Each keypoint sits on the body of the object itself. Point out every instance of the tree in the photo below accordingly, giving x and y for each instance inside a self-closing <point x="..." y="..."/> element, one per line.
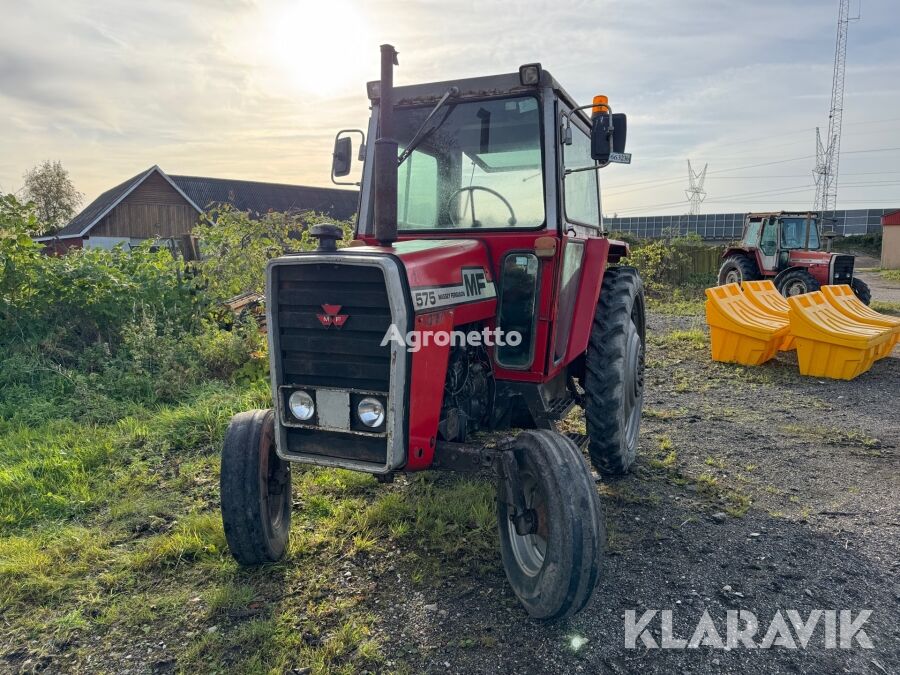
<point x="53" y="193"/>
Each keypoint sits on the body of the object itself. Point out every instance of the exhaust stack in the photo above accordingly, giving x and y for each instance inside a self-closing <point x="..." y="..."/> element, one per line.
<point x="386" y="154"/>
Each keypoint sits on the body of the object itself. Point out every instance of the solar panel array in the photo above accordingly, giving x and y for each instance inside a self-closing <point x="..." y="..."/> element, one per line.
<point x="727" y="226"/>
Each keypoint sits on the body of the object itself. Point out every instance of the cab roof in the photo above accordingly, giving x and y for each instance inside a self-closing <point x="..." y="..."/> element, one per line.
<point x="507" y="84"/>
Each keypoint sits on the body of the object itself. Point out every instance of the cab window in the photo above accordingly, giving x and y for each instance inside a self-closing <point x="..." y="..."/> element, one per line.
<point x="752" y="236"/>
<point x="768" y="242"/>
<point x="582" y="193"/>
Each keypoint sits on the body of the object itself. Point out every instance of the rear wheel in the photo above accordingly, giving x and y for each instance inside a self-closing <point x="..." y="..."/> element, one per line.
<point x="614" y="372"/>
<point x="861" y="289"/>
<point x="737" y="269"/>
<point x="255" y="490"/>
<point x="553" y="568"/>
<point x="797" y="282"/>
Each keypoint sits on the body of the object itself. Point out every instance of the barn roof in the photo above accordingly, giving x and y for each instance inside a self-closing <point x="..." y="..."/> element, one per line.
<point x="259" y="198"/>
<point x="106" y="202"/>
<point x="245" y="195"/>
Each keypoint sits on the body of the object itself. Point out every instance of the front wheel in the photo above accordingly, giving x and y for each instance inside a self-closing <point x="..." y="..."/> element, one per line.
<point x="797" y="282"/>
<point x="861" y="289"/>
<point x="553" y="568"/>
<point x="255" y="489"/>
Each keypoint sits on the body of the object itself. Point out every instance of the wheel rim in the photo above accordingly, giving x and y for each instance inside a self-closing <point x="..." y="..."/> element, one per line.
<point x="634" y="383"/>
<point x="795" y="288"/>
<point x="276" y="475"/>
<point x="529" y="549"/>
<point x="733" y="276"/>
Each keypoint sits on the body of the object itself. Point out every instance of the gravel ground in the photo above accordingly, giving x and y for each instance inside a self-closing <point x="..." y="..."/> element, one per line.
<point x="756" y="489"/>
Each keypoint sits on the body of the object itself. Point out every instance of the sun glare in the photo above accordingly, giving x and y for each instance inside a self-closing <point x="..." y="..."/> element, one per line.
<point x="321" y="48"/>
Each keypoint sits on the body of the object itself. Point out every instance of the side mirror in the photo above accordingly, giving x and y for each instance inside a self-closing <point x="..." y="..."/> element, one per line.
<point x="620" y="127"/>
<point x="342" y="156"/>
<point x="608" y="135"/>
<point x="601" y="137"/>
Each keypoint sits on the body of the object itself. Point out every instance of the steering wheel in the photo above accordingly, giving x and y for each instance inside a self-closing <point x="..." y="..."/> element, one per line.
<point x="472" y="188"/>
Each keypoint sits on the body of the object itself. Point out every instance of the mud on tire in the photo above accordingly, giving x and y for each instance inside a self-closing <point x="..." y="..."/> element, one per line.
<point x="614" y="372"/>
<point x="554" y="571"/>
<point x="255" y="489"/>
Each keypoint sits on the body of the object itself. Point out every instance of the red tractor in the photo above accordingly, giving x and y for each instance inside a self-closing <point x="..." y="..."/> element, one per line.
<point x="786" y="247"/>
<point x="442" y="319"/>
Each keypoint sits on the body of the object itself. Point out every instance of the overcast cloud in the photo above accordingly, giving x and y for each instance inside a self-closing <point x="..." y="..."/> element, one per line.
<point x="256" y="90"/>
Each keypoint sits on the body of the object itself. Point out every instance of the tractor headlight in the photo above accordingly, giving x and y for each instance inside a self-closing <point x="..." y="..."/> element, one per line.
<point x="301" y="405"/>
<point x="370" y="412"/>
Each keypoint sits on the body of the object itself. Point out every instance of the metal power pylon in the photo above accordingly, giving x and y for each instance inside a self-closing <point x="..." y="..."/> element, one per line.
<point x="828" y="151"/>
<point x="695" y="192"/>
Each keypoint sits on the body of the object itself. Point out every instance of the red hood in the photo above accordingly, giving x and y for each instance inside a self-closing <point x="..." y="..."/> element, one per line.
<point x="810" y="257"/>
<point x="443" y="272"/>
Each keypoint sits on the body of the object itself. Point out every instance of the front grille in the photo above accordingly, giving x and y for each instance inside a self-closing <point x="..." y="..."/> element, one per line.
<point x="842" y="269"/>
<point x="348" y="357"/>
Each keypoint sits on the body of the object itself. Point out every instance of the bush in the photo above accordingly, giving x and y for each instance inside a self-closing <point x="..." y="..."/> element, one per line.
<point x="236" y="247"/>
<point x="94" y="335"/>
<point x="658" y="263"/>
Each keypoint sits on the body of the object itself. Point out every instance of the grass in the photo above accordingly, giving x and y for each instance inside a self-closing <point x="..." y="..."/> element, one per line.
<point x="890" y="275"/>
<point x="112" y="532"/>
<point x="886" y="307"/>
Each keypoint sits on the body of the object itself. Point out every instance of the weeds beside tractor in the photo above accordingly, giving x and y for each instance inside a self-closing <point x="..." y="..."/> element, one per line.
<point x="532" y="259"/>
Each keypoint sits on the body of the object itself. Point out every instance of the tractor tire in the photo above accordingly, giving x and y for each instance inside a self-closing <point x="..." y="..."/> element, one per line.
<point x="736" y="269"/>
<point x="797" y="282"/>
<point x="614" y="372"/>
<point x="861" y="289"/>
<point x="555" y="570"/>
<point x="255" y="487"/>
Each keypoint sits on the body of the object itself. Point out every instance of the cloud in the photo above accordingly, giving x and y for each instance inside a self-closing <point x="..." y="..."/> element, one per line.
<point x="225" y="87"/>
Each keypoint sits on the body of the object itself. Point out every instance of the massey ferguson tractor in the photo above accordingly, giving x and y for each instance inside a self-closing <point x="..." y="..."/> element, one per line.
<point x="479" y="217"/>
<point x="786" y="247"/>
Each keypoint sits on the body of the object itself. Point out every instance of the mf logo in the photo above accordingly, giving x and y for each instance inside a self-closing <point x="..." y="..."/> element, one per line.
<point x="331" y="317"/>
<point x="474" y="281"/>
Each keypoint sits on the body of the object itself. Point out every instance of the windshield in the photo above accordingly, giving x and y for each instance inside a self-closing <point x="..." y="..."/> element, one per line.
<point x="793" y="233"/>
<point x="478" y="165"/>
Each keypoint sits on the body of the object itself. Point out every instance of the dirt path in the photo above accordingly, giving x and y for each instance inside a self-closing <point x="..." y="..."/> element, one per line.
<point x="809" y="471"/>
<point x="883" y="289"/>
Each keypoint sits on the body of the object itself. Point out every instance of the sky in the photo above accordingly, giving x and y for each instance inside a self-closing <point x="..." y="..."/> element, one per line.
<point x="257" y="89"/>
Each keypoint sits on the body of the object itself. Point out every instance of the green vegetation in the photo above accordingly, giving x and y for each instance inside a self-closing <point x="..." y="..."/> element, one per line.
<point x="886" y="307"/>
<point x="890" y="275"/>
<point x="120" y="372"/>
<point x="868" y="244"/>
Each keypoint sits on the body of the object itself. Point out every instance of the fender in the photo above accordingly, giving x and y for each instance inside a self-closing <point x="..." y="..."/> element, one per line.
<point x="597" y="253"/>
<point x="753" y="255"/>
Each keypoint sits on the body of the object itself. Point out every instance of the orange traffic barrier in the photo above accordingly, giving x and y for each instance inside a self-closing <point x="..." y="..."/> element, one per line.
<point x="830" y="344"/>
<point x="844" y="300"/>
<point x="739" y="331"/>
<point x="766" y="297"/>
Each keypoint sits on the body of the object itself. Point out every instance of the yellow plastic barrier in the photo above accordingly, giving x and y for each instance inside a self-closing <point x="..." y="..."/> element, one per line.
<point x="830" y="344"/>
<point x="766" y="297"/>
<point x="739" y="332"/>
<point x="844" y="300"/>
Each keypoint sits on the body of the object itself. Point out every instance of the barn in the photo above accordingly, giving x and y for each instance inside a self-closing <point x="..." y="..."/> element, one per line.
<point x="158" y="206"/>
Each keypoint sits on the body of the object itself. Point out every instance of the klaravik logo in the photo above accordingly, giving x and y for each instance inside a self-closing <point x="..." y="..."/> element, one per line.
<point x="331" y="317"/>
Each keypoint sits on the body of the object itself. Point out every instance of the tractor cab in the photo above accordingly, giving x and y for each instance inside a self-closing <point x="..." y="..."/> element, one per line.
<point x="789" y="248"/>
<point x="480" y="293"/>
